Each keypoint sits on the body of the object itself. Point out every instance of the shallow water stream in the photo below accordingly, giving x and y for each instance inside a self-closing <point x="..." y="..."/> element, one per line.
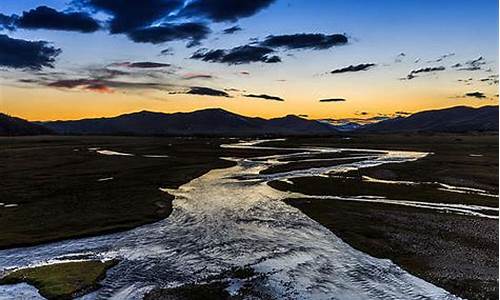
<point x="231" y="217"/>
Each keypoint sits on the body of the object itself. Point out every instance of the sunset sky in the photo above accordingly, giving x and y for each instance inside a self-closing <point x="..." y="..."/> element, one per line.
<point x="94" y="58"/>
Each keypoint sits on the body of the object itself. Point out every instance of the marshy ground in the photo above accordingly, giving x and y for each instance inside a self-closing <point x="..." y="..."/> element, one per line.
<point x="459" y="253"/>
<point x="63" y="187"/>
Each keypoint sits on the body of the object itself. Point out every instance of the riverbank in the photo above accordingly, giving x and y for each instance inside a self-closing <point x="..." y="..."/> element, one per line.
<point x="61" y="187"/>
<point x="62" y="281"/>
<point x="226" y="216"/>
<point x="456" y="252"/>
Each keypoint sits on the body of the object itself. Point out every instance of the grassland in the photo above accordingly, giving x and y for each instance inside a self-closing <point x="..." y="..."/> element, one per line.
<point x="60" y="189"/>
<point x="64" y="190"/>
<point x="456" y="252"/>
<point x="450" y="162"/>
<point x="62" y="280"/>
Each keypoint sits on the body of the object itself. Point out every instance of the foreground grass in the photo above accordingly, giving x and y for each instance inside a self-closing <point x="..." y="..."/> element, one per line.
<point x="62" y="280"/>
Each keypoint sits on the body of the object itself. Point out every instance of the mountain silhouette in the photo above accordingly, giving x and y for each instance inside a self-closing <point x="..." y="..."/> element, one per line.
<point x="454" y="119"/>
<point x="12" y="126"/>
<point x="216" y="122"/>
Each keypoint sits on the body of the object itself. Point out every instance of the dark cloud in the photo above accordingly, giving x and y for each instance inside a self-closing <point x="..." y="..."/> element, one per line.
<point x="403" y="113"/>
<point x="168" y="32"/>
<point x="412" y="73"/>
<point x="22" y="54"/>
<point x="106" y="73"/>
<point x="71" y="83"/>
<point x="477" y="61"/>
<point x="353" y="68"/>
<point x="467" y="81"/>
<point x="190" y="76"/>
<point x="491" y="80"/>
<point x="304" y="41"/>
<point x="427" y="70"/>
<point x="224" y="10"/>
<point x="232" y="29"/>
<point x="273" y="59"/>
<point x="479" y="95"/>
<point x="471" y="65"/>
<point x="130" y="15"/>
<point x="238" y="55"/>
<point x="86" y="84"/>
<point x="408" y="77"/>
<point x="445" y="56"/>
<point x="204" y="91"/>
<point x="361" y="113"/>
<point x="147" y="65"/>
<point x="103" y="85"/>
<point x="167" y="51"/>
<point x="8" y="22"/>
<point x="44" y="17"/>
<point x="28" y="80"/>
<point x="193" y="43"/>
<point x="264" y="96"/>
<point x="399" y="57"/>
<point x="332" y="100"/>
<point x="442" y="57"/>
<point x="232" y="90"/>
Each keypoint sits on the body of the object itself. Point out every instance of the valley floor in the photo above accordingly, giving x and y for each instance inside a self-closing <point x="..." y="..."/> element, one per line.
<point x="458" y="253"/>
<point x="57" y="188"/>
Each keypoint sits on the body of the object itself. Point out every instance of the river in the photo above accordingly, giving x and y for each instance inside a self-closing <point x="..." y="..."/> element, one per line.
<point x="229" y="218"/>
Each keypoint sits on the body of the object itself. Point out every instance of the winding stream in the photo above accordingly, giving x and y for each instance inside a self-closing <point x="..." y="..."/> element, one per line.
<point x="231" y="217"/>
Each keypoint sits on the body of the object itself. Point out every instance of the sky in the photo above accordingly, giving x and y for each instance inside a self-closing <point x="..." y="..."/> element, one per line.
<point x="321" y="59"/>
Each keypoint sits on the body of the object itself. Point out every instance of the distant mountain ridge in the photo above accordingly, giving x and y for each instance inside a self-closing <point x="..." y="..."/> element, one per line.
<point x="454" y="119"/>
<point x="12" y="126"/>
<point x="219" y="122"/>
<point x="216" y="122"/>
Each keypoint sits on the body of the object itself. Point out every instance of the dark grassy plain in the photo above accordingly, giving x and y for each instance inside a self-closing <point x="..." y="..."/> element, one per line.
<point x="54" y="180"/>
<point x="456" y="252"/>
<point x="450" y="162"/>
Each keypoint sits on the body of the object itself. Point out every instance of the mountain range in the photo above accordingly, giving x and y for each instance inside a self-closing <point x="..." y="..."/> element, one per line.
<point x="12" y="126"/>
<point x="219" y="122"/>
<point x="455" y="119"/>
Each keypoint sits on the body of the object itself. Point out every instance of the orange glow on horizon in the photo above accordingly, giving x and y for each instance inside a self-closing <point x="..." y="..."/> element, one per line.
<point x="44" y="104"/>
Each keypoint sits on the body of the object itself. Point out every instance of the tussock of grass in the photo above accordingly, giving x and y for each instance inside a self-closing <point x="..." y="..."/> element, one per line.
<point x="62" y="280"/>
